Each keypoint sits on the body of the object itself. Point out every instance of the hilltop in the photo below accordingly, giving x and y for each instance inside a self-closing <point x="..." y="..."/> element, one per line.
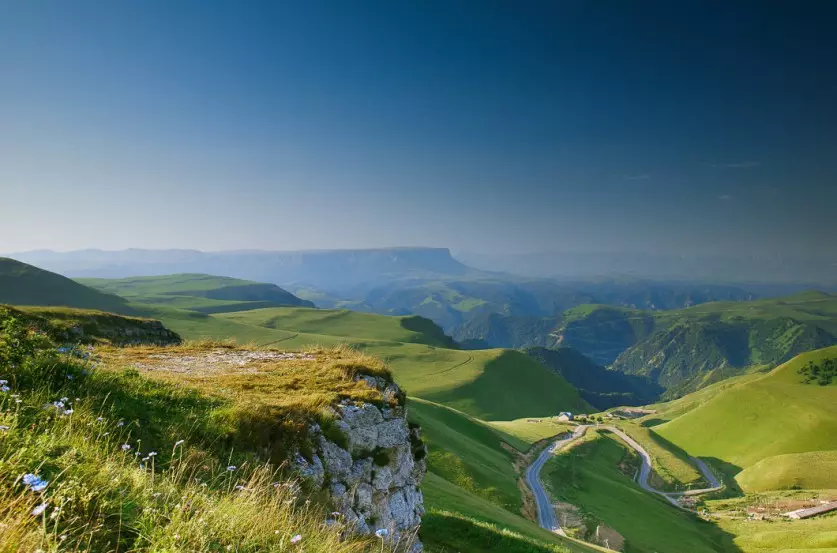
<point x="23" y="284"/>
<point x="198" y="292"/>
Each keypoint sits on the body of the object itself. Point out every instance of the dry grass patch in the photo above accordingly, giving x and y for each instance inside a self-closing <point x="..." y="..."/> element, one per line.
<point x="306" y="380"/>
<point x="261" y="399"/>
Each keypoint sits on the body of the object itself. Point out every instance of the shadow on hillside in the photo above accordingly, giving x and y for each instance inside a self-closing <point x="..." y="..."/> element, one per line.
<point x="670" y="446"/>
<point x="511" y="386"/>
<point x="649" y="423"/>
<point x="433" y="335"/>
<point x="728" y="472"/>
<point x="444" y="532"/>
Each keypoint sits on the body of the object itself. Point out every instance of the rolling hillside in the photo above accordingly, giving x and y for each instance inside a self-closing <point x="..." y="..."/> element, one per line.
<point x="345" y="323"/>
<point x="198" y="292"/>
<point x="602" y="388"/>
<point x="687" y="349"/>
<point x="457" y="397"/>
<point x="755" y="424"/>
<point x="22" y="284"/>
<point x="487" y="384"/>
<point x="589" y="476"/>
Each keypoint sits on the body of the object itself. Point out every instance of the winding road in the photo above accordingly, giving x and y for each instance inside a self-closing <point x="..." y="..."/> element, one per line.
<point x="546" y="514"/>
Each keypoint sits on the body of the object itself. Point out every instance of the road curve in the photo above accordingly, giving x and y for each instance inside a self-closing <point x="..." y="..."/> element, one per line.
<point x="546" y="514"/>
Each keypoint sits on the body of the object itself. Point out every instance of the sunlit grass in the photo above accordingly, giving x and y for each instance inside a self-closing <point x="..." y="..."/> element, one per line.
<point x="134" y="464"/>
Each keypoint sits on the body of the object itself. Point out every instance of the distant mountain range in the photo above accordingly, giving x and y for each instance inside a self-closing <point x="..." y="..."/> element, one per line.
<point x="335" y="272"/>
<point x="763" y="274"/>
<point x="649" y="330"/>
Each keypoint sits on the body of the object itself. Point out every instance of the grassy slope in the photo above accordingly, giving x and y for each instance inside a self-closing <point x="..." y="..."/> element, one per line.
<point x="817" y="307"/>
<point x="102" y="498"/>
<point x="350" y="324"/>
<point x="23" y="284"/>
<point x="524" y="433"/>
<point x="431" y="372"/>
<point x="686" y="349"/>
<point x="671" y="465"/>
<point x="467" y="453"/>
<point x="207" y="292"/>
<point x="440" y="531"/>
<point x="813" y="470"/>
<point x="72" y="325"/>
<point x="587" y="476"/>
<point x="815" y="535"/>
<point x="760" y="417"/>
<point x="470" y="381"/>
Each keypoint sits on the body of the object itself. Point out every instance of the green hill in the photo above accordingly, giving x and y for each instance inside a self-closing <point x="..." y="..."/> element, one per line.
<point x="812" y="470"/>
<point x="489" y="384"/>
<point x="198" y="292"/>
<point x="345" y="323"/>
<point x="686" y="349"/>
<point x="763" y="417"/>
<point x="69" y="325"/>
<point x="455" y="393"/>
<point x="22" y="284"/>
<point x="600" y="387"/>
<point x="467" y="452"/>
<point x="589" y="477"/>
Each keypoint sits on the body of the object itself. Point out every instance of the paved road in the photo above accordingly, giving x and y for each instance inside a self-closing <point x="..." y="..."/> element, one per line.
<point x="645" y="469"/>
<point x="546" y="514"/>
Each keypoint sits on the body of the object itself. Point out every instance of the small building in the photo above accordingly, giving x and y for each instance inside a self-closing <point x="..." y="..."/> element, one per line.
<point x="809" y="512"/>
<point x="565" y="416"/>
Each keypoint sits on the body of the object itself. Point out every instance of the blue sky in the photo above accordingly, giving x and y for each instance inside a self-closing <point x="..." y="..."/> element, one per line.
<point x="484" y="125"/>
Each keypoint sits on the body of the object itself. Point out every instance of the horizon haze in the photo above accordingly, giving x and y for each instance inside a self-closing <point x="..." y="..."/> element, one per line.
<point x="704" y="128"/>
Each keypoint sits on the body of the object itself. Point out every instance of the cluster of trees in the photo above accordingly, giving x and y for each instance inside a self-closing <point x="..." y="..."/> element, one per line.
<point x="822" y="373"/>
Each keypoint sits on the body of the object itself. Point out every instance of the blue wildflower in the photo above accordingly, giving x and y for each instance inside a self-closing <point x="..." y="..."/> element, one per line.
<point x="35" y="482"/>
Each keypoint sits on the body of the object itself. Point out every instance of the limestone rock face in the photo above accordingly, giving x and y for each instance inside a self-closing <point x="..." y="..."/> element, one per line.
<point x="373" y="476"/>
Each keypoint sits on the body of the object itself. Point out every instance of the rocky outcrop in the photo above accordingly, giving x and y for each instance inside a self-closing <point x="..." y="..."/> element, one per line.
<point x="120" y="331"/>
<point x="371" y="462"/>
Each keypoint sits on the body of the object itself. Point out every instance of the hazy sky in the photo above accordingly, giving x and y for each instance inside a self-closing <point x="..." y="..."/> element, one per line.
<point x="485" y="125"/>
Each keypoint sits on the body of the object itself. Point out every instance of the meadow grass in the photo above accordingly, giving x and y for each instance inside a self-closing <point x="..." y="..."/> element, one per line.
<point x="523" y="433"/>
<point x="812" y="470"/>
<point x="487" y="384"/>
<point x="467" y="452"/>
<point x="347" y="324"/>
<point x="671" y="466"/>
<point x="141" y="465"/>
<point x="24" y="284"/>
<point x="758" y="417"/>
<point x="198" y="287"/>
<point x="776" y="533"/>
<point x="459" y="521"/>
<point x="588" y="476"/>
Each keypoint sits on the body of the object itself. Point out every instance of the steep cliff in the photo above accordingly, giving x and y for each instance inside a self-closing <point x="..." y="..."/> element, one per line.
<point x="371" y="462"/>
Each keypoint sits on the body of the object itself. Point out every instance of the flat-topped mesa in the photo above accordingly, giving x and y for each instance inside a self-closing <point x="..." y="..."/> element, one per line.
<point x="371" y="462"/>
